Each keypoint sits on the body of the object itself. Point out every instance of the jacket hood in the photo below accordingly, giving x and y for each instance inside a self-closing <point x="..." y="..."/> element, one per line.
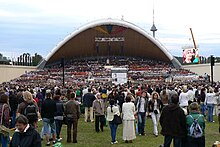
<point x="172" y="107"/>
<point x="154" y="92"/>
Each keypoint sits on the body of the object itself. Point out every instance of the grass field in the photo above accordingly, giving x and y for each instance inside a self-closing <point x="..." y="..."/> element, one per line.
<point x="87" y="137"/>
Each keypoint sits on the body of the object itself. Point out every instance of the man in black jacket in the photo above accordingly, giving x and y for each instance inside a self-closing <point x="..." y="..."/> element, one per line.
<point x="14" y="106"/>
<point x="25" y="135"/>
<point x="88" y="99"/>
<point x="173" y="123"/>
<point x="47" y="113"/>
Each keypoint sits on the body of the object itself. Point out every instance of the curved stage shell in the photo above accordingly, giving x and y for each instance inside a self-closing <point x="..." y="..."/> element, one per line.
<point x="109" y="37"/>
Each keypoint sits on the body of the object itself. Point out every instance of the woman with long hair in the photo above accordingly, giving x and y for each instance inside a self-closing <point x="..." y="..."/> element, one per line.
<point x="4" y="117"/>
<point x="155" y="108"/>
<point x="112" y="110"/>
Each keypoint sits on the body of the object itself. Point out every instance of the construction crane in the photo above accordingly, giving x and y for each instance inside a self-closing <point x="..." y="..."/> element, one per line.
<point x="196" y="49"/>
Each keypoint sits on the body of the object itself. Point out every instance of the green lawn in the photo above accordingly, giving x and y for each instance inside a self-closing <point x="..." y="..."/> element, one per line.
<point x="88" y="137"/>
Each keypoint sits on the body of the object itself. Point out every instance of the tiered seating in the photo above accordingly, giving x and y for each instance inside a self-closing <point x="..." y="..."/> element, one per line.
<point x="85" y="70"/>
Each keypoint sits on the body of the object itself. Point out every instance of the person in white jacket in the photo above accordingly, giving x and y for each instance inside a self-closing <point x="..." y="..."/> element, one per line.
<point x="112" y="110"/>
<point x="128" y="109"/>
<point x="210" y="100"/>
<point x="184" y="98"/>
<point x="191" y="95"/>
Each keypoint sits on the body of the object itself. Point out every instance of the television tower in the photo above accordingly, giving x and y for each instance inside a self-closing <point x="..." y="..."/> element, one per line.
<point x="153" y="28"/>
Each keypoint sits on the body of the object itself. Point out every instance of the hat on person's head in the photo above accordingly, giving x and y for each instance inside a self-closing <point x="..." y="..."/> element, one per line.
<point x="194" y="107"/>
<point x="27" y="96"/>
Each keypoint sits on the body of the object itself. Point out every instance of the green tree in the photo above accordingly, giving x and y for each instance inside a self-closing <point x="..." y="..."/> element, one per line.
<point x="36" y="59"/>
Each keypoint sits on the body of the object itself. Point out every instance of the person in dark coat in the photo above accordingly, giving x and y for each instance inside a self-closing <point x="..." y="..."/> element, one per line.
<point x="13" y="105"/>
<point x="88" y="99"/>
<point x="25" y="135"/>
<point x="47" y="113"/>
<point x="173" y="123"/>
<point x="58" y="116"/>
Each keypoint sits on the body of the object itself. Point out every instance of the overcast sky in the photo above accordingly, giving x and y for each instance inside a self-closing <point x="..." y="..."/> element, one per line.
<point x="39" y="25"/>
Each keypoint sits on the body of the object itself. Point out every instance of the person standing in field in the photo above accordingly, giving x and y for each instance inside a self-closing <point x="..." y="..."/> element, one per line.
<point x="128" y="110"/>
<point x="113" y="109"/>
<point x="72" y="112"/>
<point x="173" y="123"/>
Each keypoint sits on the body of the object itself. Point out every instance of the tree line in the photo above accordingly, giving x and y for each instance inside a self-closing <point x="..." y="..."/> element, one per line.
<point x="24" y="59"/>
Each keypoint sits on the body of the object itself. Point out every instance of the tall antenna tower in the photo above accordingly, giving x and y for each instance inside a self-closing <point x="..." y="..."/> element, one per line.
<point x="153" y="28"/>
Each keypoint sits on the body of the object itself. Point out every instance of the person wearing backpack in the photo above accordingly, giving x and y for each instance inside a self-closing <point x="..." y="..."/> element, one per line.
<point x="195" y="127"/>
<point x="29" y="109"/>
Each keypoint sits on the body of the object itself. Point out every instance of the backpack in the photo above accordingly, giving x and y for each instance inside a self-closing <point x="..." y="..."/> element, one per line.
<point x="31" y="112"/>
<point x="195" y="130"/>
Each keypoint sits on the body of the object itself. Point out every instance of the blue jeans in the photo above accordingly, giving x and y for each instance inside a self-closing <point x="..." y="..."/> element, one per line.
<point x="4" y="141"/>
<point x="141" y="122"/>
<point x="13" y="119"/>
<point x="210" y="112"/>
<point x="113" y="128"/>
<point x="203" y="109"/>
<point x="59" y="124"/>
<point x="49" y="125"/>
<point x="177" y="141"/>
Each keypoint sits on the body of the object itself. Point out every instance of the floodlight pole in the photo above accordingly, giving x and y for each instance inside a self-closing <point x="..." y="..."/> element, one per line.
<point x="212" y="64"/>
<point x="212" y="74"/>
<point x="62" y="64"/>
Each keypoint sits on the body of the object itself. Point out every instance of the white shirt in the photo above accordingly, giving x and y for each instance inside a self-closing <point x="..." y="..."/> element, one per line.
<point x="155" y="106"/>
<point x="142" y="100"/>
<point x="210" y="98"/>
<point x="84" y="91"/>
<point x="110" y="114"/>
<point x="183" y="99"/>
<point x="191" y="95"/>
<point x="128" y="110"/>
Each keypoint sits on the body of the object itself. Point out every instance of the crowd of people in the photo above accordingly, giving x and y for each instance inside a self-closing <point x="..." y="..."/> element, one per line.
<point x="40" y="96"/>
<point x="174" y="107"/>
